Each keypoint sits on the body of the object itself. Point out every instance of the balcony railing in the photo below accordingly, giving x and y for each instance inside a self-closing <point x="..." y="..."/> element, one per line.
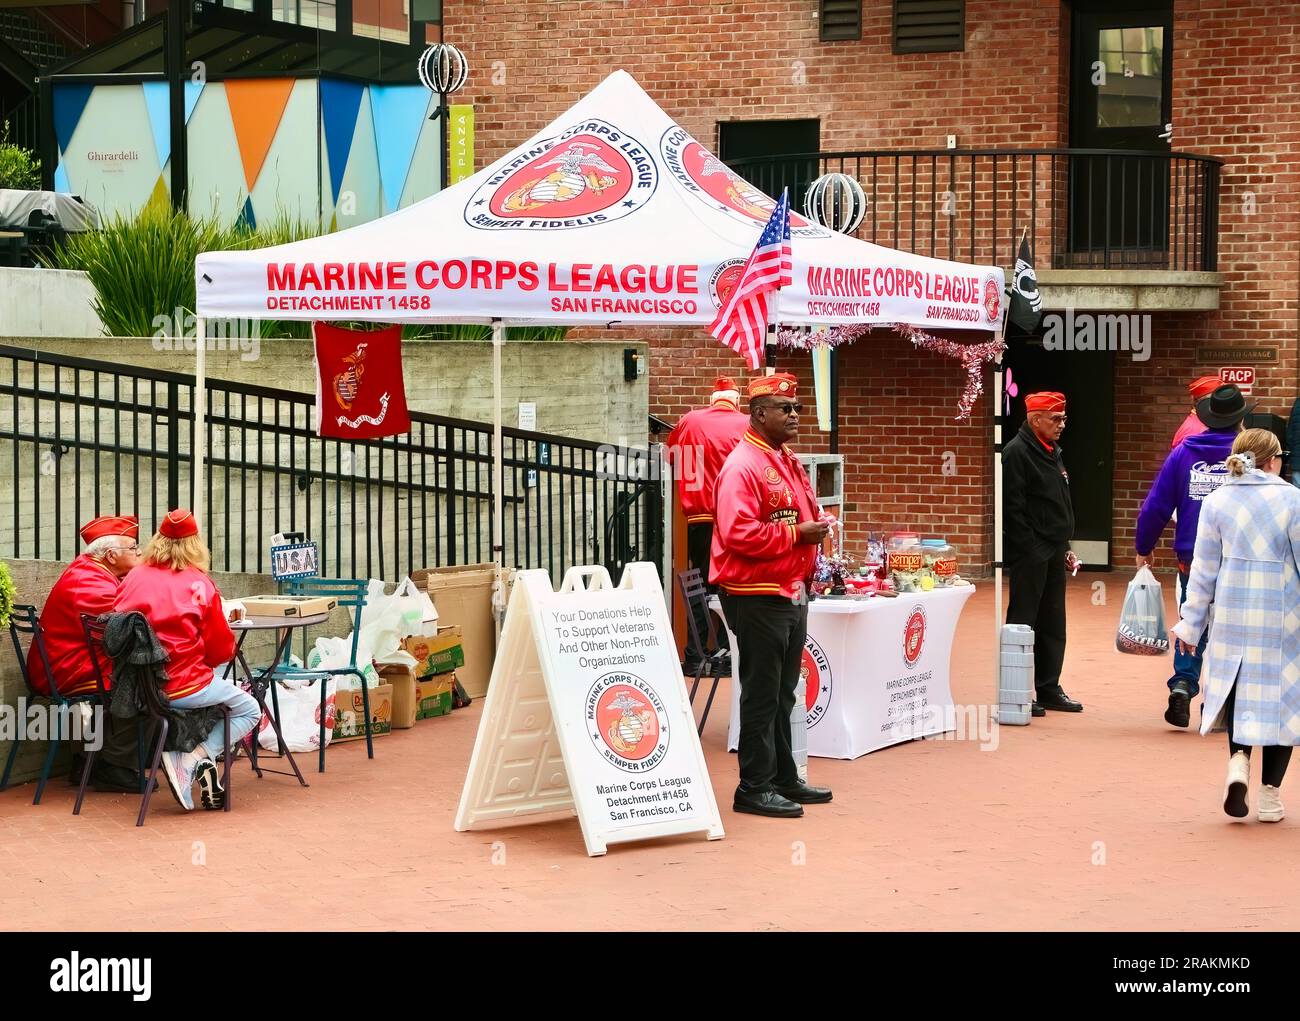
<point x="1083" y="208"/>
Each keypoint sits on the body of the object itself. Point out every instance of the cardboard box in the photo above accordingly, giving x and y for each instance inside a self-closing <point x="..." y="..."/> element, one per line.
<point x="349" y="713"/>
<point x="287" y="606"/>
<point x="405" y="703"/>
<point x="463" y="596"/>
<point x="439" y="653"/>
<point x="433" y="696"/>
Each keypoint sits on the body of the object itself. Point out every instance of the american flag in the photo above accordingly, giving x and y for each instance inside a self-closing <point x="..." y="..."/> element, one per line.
<point x="741" y="323"/>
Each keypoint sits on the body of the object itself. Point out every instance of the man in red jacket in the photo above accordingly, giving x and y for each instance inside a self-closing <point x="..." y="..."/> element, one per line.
<point x="1192" y="425"/>
<point x="697" y="446"/>
<point x="89" y="585"/>
<point x="768" y="528"/>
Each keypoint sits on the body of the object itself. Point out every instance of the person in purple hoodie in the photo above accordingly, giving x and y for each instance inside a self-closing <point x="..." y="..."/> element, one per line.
<point x="1193" y="470"/>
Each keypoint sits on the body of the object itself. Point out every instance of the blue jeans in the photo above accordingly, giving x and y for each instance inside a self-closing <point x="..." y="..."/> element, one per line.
<point x="1187" y="666"/>
<point x="244" y="712"/>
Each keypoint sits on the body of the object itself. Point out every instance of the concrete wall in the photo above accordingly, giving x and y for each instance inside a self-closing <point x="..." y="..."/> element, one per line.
<point x="47" y="303"/>
<point x="33" y="580"/>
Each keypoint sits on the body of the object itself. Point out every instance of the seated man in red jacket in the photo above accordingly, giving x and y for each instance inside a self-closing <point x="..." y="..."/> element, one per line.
<point x="173" y="591"/>
<point x="89" y="585"/>
<point x="767" y="530"/>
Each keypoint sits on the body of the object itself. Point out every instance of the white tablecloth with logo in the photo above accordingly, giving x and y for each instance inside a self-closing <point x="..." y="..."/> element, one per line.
<point x="877" y="671"/>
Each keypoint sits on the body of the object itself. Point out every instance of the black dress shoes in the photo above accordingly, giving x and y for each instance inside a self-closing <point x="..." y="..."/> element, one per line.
<point x="1055" y="698"/>
<point x="766" y="802"/>
<point x="805" y="795"/>
<point x="1038" y="710"/>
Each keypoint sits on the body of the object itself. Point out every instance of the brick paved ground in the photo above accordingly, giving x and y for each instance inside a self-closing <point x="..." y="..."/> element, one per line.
<point x="931" y="835"/>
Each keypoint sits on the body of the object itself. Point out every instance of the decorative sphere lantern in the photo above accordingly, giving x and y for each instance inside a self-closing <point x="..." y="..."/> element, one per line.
<point x="443" y="69"/>
<point x="837" y="202"/>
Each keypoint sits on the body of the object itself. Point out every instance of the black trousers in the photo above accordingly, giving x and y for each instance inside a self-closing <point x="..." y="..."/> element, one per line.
<point x="1038" y="599"/>
<point x="771" y="631"/>
<point x="699" y="544"/>
<point x="1276" y="757"/>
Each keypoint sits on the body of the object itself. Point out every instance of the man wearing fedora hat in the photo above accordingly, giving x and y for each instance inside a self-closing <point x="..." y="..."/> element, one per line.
<point x="1194" y="469"/>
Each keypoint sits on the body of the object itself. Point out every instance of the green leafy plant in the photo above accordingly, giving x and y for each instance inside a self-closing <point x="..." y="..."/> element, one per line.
<point x="19" y="167"/>
<point x="8" y="595"/>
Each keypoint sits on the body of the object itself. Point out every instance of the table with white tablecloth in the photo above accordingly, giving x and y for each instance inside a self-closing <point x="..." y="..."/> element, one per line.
<point x="877" y="671"/>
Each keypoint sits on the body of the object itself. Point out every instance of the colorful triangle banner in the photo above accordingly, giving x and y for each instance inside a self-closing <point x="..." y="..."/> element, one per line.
<point x="256" y="106"/>
<point x="192" y="92"/>
<point x="340" y="102"/>
<point x="399" y="112"/>
<point x="157" y="102"/>
<point x="69" y="104"/>
<point x="61" y="182"/>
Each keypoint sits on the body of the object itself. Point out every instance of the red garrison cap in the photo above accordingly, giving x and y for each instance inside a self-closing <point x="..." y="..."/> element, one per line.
<point x="178" y="524"/>
<point x="1204" y="386"/>
<point x="1048" y="400"/>
<point x="724" y="383"/>
<point x="128" y="525"/>
<point x="780" y="384"/>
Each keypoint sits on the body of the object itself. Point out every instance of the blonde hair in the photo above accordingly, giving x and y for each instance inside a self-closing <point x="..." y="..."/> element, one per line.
<point x="1261" y="444"/>
<point x="178" y="554"/>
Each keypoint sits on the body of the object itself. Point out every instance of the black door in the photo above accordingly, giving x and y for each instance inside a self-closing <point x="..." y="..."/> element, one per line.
<point x="1121" y="72"/>
<point x="743" y="140"/>
<point x="1086" y="378"/>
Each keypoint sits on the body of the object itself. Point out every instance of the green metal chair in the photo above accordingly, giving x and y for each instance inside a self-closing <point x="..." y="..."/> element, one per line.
<point x="350" y="592"/>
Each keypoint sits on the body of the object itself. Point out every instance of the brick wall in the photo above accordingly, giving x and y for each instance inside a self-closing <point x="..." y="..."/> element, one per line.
<point x="1236" y="95"/>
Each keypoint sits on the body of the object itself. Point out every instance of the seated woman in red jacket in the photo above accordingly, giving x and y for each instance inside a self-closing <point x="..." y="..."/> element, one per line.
<point x="172" y="589"/>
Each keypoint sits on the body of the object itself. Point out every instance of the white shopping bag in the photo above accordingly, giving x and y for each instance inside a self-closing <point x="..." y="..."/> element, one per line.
<point x="1142" y="623"/>
<point x="299" y="701"/>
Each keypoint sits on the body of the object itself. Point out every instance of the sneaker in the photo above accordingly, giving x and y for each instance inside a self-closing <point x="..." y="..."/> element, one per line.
<point x="181" y="768"/>
<point x="1180" y="705"/>
<point x="1234" y="795"/>
<point x="1270" y="804"/>
<point x="211" y="793"/>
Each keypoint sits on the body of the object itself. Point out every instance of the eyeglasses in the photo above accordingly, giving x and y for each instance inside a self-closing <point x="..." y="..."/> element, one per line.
<point x="786" y="407"/>
<point x="133" y="548"/>
<point x="1057" y="419"/>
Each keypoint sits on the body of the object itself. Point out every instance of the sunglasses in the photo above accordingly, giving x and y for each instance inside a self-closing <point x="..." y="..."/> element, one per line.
<point x="786" y="408"/>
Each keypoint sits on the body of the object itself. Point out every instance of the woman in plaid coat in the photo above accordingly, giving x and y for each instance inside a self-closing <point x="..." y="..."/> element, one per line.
<point x="1245" y="564"/>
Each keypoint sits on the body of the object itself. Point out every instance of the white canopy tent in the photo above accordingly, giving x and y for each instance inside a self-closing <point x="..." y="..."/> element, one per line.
<point x="610" y="215"/>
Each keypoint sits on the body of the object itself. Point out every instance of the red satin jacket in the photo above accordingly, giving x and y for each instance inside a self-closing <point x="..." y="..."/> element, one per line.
<point x="698" y="445"/>
<point x="184" y="608"/>
<point x="762" y="494"/>
<point x="85" y="586"/>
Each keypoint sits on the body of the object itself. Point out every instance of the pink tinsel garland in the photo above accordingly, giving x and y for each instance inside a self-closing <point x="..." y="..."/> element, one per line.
<point x="971" y="356"/>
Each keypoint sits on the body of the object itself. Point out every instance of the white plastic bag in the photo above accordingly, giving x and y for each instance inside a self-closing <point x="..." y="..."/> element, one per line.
<point x="299" y="701"/>
<point x="1142" y="622"/>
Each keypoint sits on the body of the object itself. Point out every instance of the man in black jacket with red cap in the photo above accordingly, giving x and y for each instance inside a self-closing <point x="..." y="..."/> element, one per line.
<point x="1037" y="523"/>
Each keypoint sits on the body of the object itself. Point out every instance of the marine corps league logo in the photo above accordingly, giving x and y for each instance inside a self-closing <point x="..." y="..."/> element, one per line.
<point x="815" y="669"/>
<point x="914" y="636"/>
<point x="715" y="184"/>
<point x="992" y="298"/>
<point x="590" y="174"/>
<point x="724" y="280"/>
<point x="627" y="722"/>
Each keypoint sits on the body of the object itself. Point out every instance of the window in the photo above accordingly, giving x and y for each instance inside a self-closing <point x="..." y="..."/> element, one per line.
<point x="1131" y="95"/>
<point x="308" y="13"/>
<point x="841" y="19"/>
<point x="381" y="19"/>
<point x="929" y="26"/>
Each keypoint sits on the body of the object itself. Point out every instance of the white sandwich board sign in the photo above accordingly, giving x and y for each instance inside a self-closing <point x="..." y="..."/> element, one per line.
<point x="587" y="710"/>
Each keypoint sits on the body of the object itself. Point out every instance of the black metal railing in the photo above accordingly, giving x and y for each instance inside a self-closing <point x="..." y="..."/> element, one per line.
<point x="80" y="438"/>
<point x="1084" y="208"/>
<point x="24" y="122"/>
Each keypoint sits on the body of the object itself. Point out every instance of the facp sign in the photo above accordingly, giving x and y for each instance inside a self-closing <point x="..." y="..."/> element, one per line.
<point x="1242" y="376"/>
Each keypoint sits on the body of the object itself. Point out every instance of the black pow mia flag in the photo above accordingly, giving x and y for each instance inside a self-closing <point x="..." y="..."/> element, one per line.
<point x="1026" y="303"/>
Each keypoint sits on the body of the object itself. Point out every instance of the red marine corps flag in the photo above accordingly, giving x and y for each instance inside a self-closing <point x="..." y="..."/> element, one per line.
<point x="359" y="389"/>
